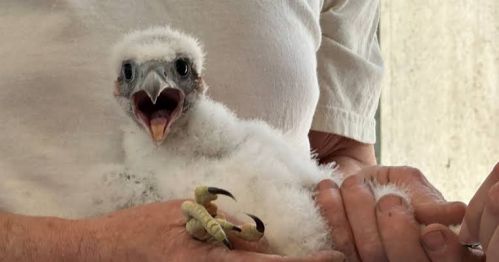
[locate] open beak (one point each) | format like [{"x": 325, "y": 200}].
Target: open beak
[{"x": 156, "y": 106}]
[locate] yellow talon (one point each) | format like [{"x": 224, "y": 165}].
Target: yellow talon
[
  {"x": 202, "y": 224},
  {"x": 252, "y": 232},
  {"x": 204, "y": 194}
]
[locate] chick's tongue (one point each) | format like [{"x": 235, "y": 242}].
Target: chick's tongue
[{"x": 159, "y": 121}]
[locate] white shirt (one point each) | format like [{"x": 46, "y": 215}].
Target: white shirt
[{"x": 58, "y": 115}]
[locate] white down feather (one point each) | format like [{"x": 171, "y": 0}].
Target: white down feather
[
  {"x": 211, "y": 146},
  {"x": 268, "y": 177}
]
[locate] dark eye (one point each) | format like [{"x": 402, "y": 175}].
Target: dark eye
[
  {"x": 128, "y": 72},
  {"x": 182, "y": 67}
]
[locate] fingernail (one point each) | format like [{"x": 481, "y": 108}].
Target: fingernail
[
  {"x": 434, "y": 240},
  {"x": 352, "y": 181},
  {"x": 326, "y": 184},
  {"x": 389, "y": 202}
]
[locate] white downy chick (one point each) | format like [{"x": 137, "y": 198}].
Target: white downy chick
[{"x": 191, "y": 140}]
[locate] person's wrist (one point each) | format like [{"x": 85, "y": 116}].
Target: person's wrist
[
  {"x": 85, "y": 244},
  {"x": 27, "y": 238},
  {"x": 98, "y": 240},
  {"x": 106, "y": 239},
  {"x": 64, "y": 239},
  {"x": 350, "y": 155}
]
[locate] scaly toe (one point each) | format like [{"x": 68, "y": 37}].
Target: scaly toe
[
  {"x": 252, "y": 232},
  {"x": 204, "y": 194}
]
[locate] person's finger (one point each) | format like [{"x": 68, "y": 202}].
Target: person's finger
[
  {"x": 328, "y": 198},
  {"x": 360, "y": 208},
  {"x": 441, "y": 244},
  {"x": 471, "y": 223},
  {"x": 428, "y": 203},
  {"x": 399, "y": 231},
  {"x": 490, "y": 217}
]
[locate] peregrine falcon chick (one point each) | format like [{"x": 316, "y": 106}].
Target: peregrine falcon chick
[{"x": 178, "y": 139}]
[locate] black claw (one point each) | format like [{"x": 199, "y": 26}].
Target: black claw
[
  {"x": 259, "y": 224},
  {"x": 227, "y": 243},
  {"x": 219, "y": 191}
]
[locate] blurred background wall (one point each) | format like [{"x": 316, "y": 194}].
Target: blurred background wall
[{"x": 440, "y": 100}]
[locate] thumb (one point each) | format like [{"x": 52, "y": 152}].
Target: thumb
[{"x": 441, "y": 244}]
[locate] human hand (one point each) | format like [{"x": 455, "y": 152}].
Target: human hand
[
  {"x": 351, "y": 210},
  {"x": 480, "y": 224},
  {"x": 156, "y": 232},
  {"x": 386, "y": 230}
]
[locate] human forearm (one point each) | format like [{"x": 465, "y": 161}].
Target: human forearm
[
  {"x": 152, "y": 232},
  {"x": 350, "y": 155},
  {"x": 24, "y": 238}
]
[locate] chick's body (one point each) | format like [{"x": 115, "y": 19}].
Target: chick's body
[{"x": 268, "y": 176}]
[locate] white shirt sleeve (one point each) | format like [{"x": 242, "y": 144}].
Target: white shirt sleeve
[{"x": 350, "y": 68}]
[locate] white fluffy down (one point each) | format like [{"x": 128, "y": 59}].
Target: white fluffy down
[
  {"x": 269, "y": 177},
  {"x": 150, "y": 45}
]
